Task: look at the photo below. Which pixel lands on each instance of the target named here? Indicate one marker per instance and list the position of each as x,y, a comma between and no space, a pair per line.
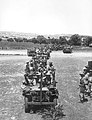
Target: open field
67,67
13,52
18,45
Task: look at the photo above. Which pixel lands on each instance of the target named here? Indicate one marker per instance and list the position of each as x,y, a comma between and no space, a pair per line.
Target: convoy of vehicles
39,87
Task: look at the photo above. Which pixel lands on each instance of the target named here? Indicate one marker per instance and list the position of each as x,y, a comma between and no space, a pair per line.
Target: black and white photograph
45,60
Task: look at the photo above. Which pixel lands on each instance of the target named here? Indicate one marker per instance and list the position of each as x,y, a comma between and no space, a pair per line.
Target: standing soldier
86,81
27,72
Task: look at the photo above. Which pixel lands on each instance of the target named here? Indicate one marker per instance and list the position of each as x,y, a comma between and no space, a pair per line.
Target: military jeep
39,96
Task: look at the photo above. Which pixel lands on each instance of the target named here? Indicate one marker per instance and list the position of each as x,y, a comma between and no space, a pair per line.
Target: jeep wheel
27,107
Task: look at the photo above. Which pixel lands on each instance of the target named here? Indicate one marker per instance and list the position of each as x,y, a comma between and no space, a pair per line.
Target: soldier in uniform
90,83
27,71
48,78
51,67
86,81
90,78
52,71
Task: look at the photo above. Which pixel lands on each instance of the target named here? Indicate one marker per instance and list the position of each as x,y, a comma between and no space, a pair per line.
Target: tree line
75,39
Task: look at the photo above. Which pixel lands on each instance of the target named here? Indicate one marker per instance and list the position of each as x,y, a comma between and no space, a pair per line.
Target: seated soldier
52,71
38,75
44,82
32,69
50,67
48,78
34,80
27,71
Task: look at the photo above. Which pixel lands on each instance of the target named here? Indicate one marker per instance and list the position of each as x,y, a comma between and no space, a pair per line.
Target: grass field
67,67
17,45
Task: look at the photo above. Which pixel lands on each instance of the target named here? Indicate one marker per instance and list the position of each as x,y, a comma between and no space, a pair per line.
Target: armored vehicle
67,50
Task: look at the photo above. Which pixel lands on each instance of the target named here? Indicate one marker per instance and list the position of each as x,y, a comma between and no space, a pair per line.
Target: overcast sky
46,16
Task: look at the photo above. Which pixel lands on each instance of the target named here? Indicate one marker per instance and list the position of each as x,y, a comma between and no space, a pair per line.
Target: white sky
46,16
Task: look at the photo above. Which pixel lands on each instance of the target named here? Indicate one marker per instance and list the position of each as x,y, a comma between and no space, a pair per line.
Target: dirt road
67,67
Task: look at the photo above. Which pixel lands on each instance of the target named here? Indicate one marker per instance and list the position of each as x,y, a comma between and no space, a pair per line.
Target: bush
54,113
75,40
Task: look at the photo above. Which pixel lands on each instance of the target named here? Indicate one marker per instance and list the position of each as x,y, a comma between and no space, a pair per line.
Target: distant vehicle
67,49
31,52
90,45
